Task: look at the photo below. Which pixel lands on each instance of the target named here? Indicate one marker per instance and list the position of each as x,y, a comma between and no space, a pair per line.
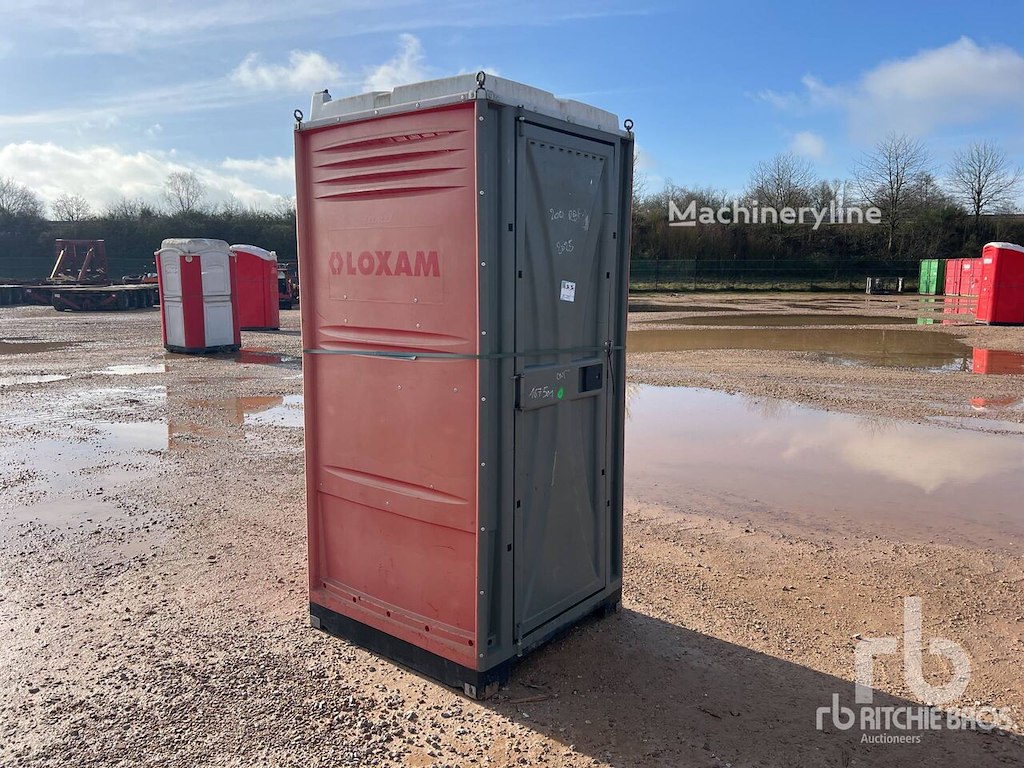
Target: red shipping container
967,279
952,287
974,286
196,277
256,289
1001,293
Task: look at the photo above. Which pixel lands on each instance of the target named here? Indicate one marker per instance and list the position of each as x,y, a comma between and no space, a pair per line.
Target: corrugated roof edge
448,90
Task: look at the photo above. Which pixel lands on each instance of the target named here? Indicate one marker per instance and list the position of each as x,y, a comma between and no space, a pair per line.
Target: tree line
925,212
132,228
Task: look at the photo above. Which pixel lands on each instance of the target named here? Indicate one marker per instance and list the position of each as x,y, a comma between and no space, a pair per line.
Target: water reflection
730,455
768,320
874,347
930,350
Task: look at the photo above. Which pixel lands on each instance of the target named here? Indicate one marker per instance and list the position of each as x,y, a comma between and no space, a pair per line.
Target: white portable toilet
197,296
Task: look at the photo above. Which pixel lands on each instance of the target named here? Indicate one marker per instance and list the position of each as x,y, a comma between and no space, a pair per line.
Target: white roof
196,245
255,250
1006,246
460,88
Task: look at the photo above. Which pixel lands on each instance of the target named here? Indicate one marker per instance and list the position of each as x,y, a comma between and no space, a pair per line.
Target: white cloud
406,67
305,71
808,144
269,167
104,174
956,84
119,26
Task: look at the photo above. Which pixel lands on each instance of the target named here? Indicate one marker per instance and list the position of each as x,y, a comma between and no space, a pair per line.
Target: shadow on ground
632,690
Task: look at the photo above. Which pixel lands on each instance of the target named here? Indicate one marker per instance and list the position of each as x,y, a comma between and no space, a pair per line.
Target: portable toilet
465,256
256,288
1001,295
197,308
932,278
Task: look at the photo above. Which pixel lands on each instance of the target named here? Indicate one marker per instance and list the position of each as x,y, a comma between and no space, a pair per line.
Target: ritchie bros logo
386,263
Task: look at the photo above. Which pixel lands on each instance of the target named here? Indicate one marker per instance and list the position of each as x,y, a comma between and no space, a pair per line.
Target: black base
474,683
202,350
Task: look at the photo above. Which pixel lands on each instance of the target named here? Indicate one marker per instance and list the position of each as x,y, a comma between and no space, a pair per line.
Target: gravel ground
152,557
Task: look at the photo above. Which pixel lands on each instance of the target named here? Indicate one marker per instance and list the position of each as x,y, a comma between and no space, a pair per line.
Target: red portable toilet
464,249
952,287
256,288
1001,294
197,308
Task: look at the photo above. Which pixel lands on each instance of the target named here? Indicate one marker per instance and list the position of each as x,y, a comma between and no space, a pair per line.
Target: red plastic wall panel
256,291
1001,298
952,287
970,277
388,263
974,286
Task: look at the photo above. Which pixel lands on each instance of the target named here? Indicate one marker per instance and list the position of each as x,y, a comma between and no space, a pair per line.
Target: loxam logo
386,263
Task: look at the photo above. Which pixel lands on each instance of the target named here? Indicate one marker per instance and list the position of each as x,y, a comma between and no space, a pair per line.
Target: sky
105,98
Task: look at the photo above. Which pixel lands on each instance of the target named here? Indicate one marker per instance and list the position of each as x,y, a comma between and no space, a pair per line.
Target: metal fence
766,274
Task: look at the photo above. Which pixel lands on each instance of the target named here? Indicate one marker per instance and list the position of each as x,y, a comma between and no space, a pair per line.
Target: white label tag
987,261
568,291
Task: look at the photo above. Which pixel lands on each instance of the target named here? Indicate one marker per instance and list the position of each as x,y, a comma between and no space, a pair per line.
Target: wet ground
789,482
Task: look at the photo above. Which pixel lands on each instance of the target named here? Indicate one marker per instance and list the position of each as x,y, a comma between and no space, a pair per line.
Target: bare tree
982,178
825,193
785,181
69,207
123,208
232,208
639,179
926,192
184,192
284,207
18,200
886,178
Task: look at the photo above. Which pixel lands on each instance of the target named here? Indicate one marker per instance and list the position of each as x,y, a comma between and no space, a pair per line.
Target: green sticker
560,392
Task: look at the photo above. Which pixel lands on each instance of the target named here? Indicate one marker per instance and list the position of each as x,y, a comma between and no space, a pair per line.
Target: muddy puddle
59,479
647,306
260,357
862,347
133,369
31,347
785,320
228,417
929,350
287,413
718,454
13,381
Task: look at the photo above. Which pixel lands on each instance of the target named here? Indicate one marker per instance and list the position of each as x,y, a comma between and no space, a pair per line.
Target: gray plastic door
564,266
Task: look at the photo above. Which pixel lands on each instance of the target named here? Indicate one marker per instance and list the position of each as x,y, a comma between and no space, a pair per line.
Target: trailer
11,294
99,298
